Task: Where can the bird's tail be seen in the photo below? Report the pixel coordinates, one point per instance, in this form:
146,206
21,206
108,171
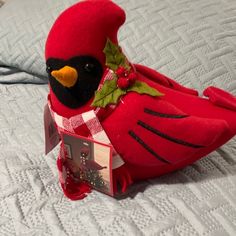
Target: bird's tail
221,98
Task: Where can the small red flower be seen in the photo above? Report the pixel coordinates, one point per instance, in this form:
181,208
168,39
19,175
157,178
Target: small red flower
123,83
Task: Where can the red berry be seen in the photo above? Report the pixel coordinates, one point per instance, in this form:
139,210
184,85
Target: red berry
121,71
123,83
132,77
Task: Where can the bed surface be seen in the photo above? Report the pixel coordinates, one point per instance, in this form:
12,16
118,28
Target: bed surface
192,42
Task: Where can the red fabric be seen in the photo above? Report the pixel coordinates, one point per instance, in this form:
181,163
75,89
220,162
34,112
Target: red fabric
163,80
122,178
207,123
72,189
83,30
221,98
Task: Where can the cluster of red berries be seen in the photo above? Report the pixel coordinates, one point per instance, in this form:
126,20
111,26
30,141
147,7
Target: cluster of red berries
125,78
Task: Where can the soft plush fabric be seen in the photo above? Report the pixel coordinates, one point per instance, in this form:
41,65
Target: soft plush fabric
81,30
164,133
192,42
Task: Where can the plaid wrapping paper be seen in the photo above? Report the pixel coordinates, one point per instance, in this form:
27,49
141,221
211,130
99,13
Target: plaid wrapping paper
88,123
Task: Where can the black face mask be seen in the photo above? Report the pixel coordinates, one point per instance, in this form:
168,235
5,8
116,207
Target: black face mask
90,73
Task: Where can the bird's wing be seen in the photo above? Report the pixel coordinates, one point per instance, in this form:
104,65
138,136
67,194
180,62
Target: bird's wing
150,131
163,80
216,96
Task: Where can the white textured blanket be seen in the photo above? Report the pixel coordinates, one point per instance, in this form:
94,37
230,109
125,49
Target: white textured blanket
190,41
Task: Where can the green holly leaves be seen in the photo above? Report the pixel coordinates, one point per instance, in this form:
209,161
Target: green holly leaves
111,94
111,91
114,56
108,94
143,88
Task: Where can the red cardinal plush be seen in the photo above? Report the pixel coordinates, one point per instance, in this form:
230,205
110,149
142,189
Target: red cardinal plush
155,124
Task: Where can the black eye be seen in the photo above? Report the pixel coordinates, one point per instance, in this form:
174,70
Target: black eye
49,69
89,67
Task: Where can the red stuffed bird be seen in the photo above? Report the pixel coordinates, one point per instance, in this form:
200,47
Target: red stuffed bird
155,124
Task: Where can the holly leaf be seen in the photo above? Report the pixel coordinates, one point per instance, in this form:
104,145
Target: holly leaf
143,88
114,56
108,94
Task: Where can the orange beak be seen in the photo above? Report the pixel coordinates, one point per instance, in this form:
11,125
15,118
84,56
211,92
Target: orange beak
67,76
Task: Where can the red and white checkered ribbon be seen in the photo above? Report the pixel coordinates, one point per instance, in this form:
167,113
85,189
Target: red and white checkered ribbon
88,123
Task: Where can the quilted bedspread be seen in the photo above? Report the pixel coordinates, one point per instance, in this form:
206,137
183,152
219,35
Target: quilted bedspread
193,42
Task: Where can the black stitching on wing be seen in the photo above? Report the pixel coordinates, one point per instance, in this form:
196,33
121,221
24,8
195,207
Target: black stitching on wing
165,136
155,113
144,145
